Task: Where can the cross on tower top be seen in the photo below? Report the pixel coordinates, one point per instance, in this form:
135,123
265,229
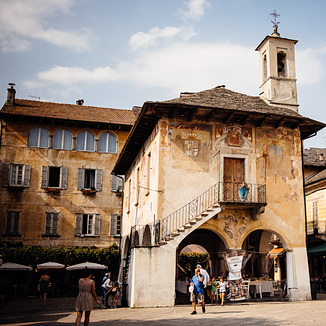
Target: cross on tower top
275,23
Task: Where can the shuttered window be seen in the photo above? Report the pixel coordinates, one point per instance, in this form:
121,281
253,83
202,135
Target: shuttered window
51,224
12,225
116,183
54,177
115,225
16,175
88,225
89,179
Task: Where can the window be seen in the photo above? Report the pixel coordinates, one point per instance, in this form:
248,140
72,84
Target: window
87,225
16,175
281,58
62,139
116,183
89,179
107,143
85,141
315,213
264,66
115,225
54,177
148,176
51,224
12,222
38,137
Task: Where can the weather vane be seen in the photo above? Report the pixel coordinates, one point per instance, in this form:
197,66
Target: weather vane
275,23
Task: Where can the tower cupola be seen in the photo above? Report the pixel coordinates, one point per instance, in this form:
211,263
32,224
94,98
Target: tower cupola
277,69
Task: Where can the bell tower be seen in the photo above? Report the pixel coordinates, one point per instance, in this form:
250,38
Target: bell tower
277,68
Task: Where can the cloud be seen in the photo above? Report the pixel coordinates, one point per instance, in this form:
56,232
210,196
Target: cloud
178,67
155,36
23,21
310,64
195,9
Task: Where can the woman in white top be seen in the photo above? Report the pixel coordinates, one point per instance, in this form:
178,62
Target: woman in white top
222,288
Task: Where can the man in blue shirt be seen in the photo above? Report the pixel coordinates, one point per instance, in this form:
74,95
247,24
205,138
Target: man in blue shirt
198,292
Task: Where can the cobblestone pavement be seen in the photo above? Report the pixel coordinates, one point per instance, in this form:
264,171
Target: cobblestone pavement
60,311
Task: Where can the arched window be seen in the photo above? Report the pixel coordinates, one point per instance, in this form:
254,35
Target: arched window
85,141
107,143
38,137
281,64
62,139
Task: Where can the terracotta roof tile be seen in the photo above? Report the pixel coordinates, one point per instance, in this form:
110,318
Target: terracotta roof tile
70,112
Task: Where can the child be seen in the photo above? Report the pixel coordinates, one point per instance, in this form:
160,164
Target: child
222,287
214,285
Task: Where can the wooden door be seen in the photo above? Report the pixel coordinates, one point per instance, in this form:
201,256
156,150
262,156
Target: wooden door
233,178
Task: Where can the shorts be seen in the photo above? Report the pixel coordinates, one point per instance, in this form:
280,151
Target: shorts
214,292
198,296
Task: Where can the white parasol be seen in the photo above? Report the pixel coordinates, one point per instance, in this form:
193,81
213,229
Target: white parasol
50,266
14,267
86,265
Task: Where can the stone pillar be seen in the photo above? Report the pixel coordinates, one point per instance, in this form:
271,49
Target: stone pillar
298,281
152,277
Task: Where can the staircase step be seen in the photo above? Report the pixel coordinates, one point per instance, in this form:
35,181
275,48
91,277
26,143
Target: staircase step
192,222
168,238
204,214
200,217
187,226
175,233
162,243
216,205
181,229
209,210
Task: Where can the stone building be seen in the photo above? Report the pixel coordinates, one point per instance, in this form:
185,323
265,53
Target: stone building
222,170
56,184
314,160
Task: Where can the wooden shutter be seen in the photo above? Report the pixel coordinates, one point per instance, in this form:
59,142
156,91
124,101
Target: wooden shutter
45,176
80,179
48,223
64,177
79,224
55,223
97,227
5,174
27,175
113,225
114,183
98,181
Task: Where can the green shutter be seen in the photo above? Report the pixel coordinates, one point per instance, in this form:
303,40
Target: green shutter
79,223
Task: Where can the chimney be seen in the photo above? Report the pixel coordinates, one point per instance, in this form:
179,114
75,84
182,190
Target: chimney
80,102
11,94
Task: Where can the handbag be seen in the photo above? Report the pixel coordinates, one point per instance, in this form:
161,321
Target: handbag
191,289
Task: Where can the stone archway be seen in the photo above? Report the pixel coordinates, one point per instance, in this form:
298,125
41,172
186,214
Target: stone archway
212,243
268,259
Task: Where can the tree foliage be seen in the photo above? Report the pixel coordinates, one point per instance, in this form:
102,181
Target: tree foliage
33,255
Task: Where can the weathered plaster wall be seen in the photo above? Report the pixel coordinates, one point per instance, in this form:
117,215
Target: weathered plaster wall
34,202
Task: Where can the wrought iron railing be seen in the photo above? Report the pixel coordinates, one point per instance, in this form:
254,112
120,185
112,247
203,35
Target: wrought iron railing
221,192
229,192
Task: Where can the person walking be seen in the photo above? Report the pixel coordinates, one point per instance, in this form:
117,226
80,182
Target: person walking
104,289
114,292
222,288
214,286
197,282
84,300
44,287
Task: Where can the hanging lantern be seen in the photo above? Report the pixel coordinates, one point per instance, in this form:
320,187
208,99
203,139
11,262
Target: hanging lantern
243,192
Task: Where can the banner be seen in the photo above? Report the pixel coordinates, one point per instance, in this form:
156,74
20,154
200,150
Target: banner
234,267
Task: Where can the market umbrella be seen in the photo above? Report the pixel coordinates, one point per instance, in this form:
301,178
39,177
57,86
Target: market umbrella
86,265
50,266
14,267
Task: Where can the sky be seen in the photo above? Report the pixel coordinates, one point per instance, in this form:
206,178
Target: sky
122,53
